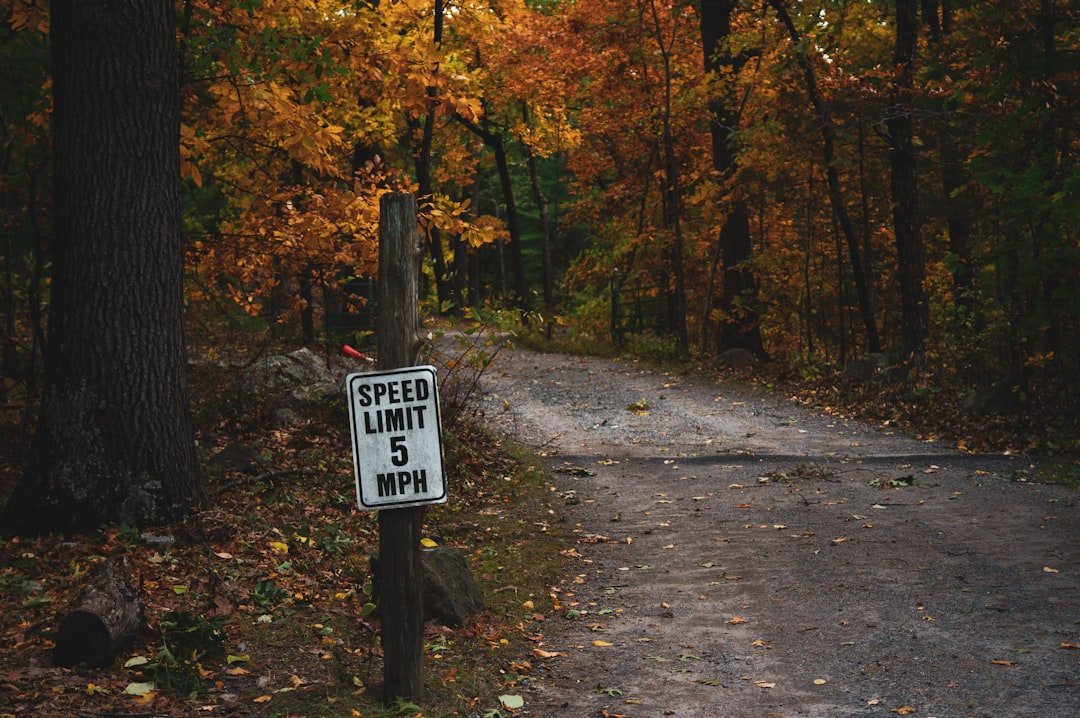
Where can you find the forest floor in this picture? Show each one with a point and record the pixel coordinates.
(741, 555)
(723, 551)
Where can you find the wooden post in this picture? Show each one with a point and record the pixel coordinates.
(401, 578)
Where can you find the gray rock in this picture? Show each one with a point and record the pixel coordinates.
(285, 372)
(1005, 398)
(285, 417)
(235, 457)
(451, 594)
(157, 542)
(736, 358)
(866, 367)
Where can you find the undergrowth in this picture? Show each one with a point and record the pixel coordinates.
(262, 604)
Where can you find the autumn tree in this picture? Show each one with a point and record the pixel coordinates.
(740, 325)
(114, 439)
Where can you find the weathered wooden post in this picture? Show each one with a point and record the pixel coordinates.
(397, 333)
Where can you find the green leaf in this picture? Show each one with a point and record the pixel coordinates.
(139, 689)
(230, 659)
(511, 702)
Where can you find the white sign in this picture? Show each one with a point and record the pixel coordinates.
(396, 438)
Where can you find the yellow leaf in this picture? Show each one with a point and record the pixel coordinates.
(602, 644)
(765, 684)
(1047, 569)
(839, 540)
(759, 643)
(820, 681)
(903, 710)
(428, 543)
(278, 547)
(263, 699)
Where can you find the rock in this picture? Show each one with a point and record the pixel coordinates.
(286, 372)
(451, 594)
(1004, 398)
(162, 542)
(285, 417)
(318, 392)
(865, 368)
(236, 457)
(736, 358)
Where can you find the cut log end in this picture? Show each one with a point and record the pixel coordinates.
(104, 618)
(82, 638)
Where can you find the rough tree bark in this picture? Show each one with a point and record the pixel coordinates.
(114, 437)
(915, 315)
(741, 327)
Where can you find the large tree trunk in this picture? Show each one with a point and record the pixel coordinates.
(913, 303)
(114, 439)
(741, 325)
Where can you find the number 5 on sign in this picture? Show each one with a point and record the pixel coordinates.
(396, 438)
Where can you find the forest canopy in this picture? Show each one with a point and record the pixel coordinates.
(810, 181)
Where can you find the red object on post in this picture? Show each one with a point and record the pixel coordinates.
(352, 353)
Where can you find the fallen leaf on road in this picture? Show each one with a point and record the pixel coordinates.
(1047, 569)
(765, 684)
(735, 620)
(1074, 646)
(838, 540)
(904, 710)
(744, 506)
(1008, 664)
(602, 644)
(820, 681)
(541, 653)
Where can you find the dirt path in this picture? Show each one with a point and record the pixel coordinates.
(741, 556)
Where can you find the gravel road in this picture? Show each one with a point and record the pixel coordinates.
(739, 555)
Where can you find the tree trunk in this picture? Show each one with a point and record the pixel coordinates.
(114, 440)
(836, 196)
(423, 170)
(517, 264)
(953, 176)
(673, 195)
(546, 278)
(915, 315)
(104, 618)
(739, 302)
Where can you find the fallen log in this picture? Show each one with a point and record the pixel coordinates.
(104, 618)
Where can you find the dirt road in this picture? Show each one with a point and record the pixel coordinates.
(741, 556)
